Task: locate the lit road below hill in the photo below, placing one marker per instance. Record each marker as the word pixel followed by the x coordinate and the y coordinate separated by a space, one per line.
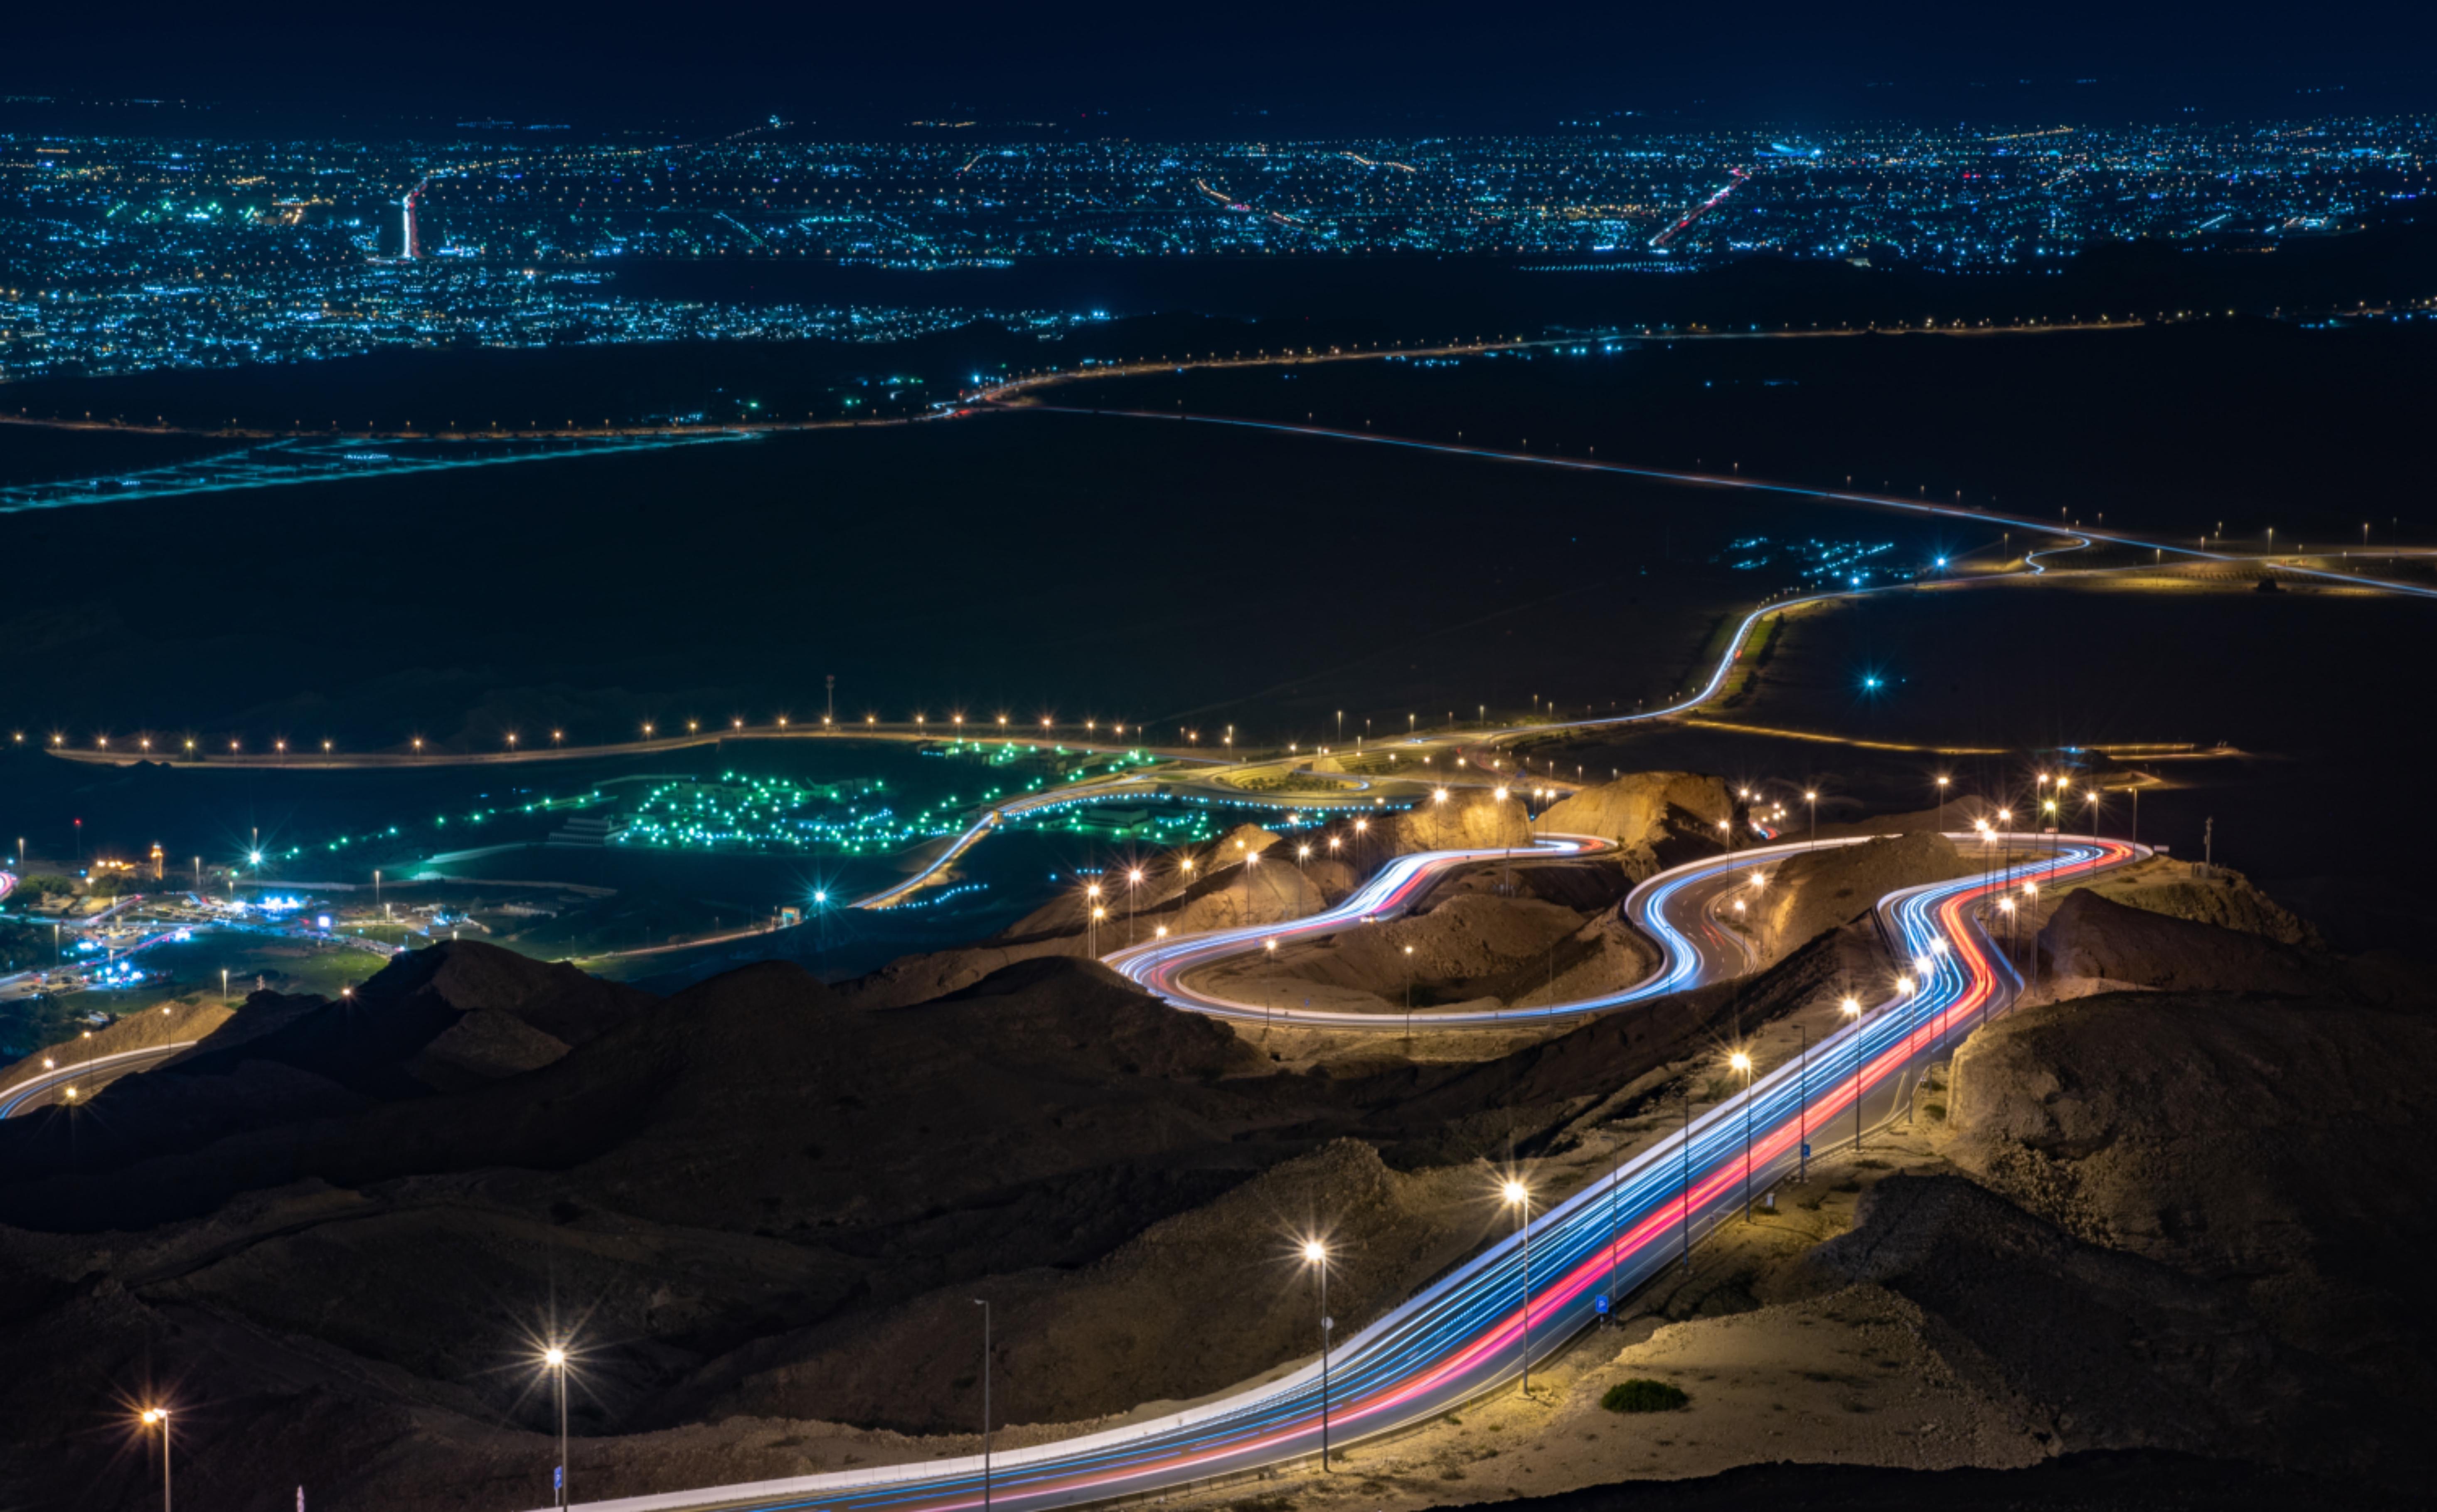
pixel 87 1076
pixel 1673 909
pixel 1467 1333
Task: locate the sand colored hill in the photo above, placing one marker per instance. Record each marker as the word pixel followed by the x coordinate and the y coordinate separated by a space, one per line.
pixel 2269 1143
pixel 2219 895
pixel 186 1018
pixel 2091 936
pixel 1807 893
pixel 1640 808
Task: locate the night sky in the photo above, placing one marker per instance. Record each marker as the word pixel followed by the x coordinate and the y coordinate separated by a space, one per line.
pixel 1241 69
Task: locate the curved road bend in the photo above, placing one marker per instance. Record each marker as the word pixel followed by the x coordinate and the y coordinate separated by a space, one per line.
pixel 1673 908
pixel 86 1076
pixel 1466 1333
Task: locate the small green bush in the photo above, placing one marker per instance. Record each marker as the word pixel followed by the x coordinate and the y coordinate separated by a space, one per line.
pixel 1643 1396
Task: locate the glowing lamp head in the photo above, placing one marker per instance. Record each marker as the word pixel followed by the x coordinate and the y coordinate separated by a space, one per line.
pixel 1739 1061
pixel 1314 1252
pixel 1515 1193
pixel 1852 1008
pixel 553 1357
pixel 1903 983
pixel 1501 796
pixel 153 1414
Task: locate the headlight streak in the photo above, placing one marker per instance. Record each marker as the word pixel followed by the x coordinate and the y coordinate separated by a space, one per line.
pixel 1457 1339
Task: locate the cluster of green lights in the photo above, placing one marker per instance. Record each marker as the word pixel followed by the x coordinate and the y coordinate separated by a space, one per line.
pixel 471 816
pixel 779 813
pixel 1165 829
pixel 1006 752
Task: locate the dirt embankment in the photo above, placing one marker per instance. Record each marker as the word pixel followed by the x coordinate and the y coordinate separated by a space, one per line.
pixel 1213 1295
pixel 728 1185
pixel 186 1018
pixel 2206 894
pixel 1809 893
pixel 1469 819
pixel 2092 943
pixel 2272 1144
pixel 1651 815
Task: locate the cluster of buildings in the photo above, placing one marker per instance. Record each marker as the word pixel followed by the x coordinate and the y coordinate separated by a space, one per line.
pixel 134 252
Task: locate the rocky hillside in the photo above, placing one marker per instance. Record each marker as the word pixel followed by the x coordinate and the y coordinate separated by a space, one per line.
pixel 2268 1144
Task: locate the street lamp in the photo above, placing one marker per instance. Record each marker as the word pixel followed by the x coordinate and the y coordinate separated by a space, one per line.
pixel 1744 1063
pixel 554 1357
pixel 1438 802
pixel 1518 1197
pixel 1133 880
pixel 1315 1254
pixel 153 1417
pixel 1813 799
pixel 1269 989
pixel 986 1400
pixel 1851 1008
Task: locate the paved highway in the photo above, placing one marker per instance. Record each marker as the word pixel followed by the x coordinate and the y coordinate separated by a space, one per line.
pixel 1468 1334
pixel 86 1076
pixel 1675 909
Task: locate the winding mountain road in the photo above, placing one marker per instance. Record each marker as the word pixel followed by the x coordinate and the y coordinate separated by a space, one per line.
pixel 1470 1332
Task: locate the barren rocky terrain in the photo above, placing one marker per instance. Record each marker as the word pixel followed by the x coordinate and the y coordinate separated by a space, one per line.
pixel 2163 1218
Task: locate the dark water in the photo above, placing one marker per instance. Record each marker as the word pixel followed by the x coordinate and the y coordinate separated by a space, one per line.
pixel 1185 576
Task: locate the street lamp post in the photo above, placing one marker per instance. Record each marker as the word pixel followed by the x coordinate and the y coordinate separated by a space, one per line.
pixel 1941 804
pixel 1852 1011
pixel 1684 1202
pixel 1315 1254
pixel 1519 1196
pixel 1802 1109
pixel 986 1399
pixel 160 1417
pixel 1409 1000
pixel 555 1357
pixel 1505 879
pixel 1742 1062
pixel 2031 900
pixel 1812 797
pixel 1134 881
